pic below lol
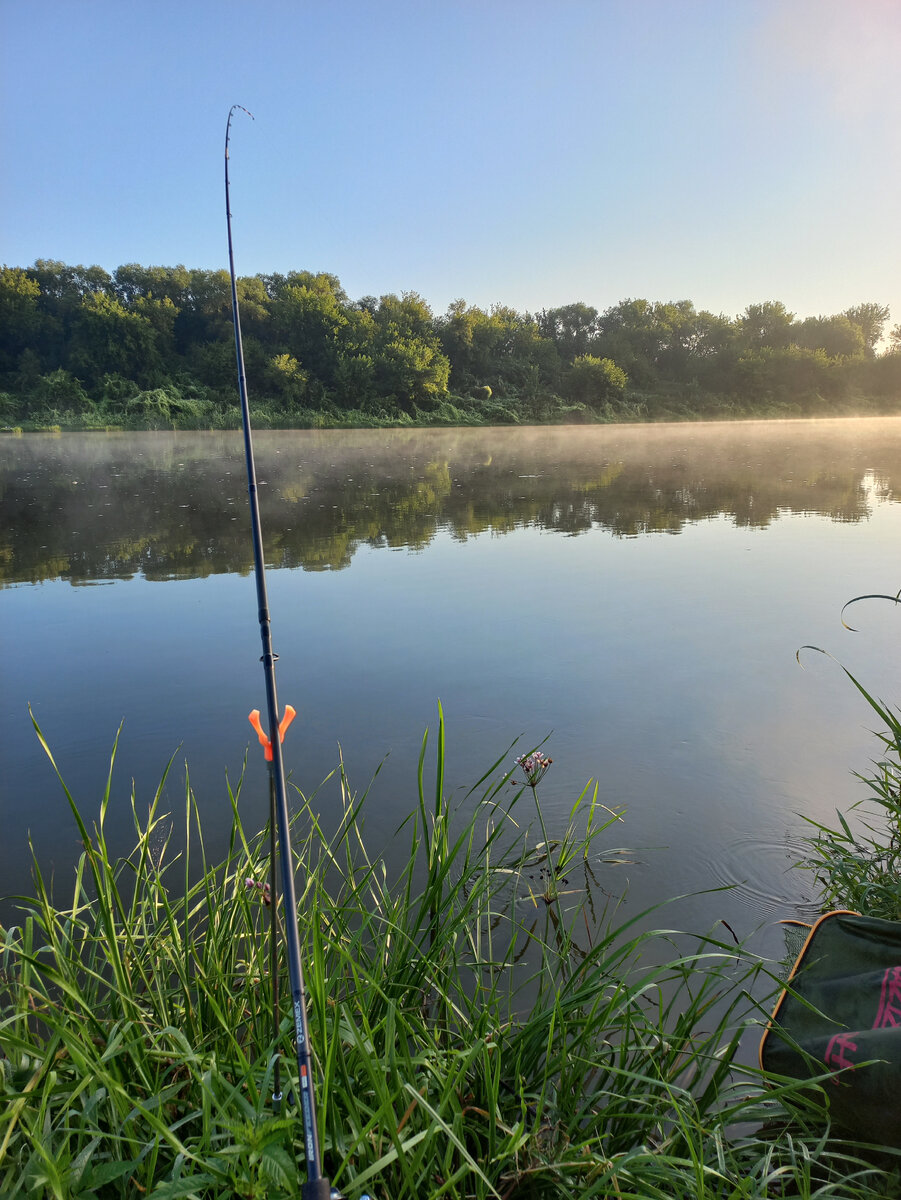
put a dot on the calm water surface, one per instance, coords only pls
(635, 594)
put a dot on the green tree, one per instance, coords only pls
(456, 331)
(255, 306)
(409, 314)
(133, 282)
(19, 315)
(107, 339)
(679, 331)
(630, 334)
(837, 337)
(885, 371)
(286, 380)
(308, 322)
(595, 381)
(65, 287)
(791, 376)
(502, 348)
(766, 326)
(870, 320)
(410, 367)
(205, 310)
(354, 383)
(213, 365)
(573, 328)
(63, 291)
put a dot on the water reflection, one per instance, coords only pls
(94, 507)
(661, 666)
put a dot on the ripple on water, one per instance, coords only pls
(762, 872)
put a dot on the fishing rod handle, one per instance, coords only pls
(316, 1189)
(320, 1189)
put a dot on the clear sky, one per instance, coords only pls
(514, 151)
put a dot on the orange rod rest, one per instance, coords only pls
(254, 718)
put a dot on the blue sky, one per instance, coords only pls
(531, 154)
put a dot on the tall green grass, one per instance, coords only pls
(857, 862)
(475, 1035)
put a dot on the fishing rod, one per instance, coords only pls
(317, 1186)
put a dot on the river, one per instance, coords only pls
(635, 595)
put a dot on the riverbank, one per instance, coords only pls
(485, 1020)
(161, 410)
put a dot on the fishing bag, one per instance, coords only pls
(841, 1013)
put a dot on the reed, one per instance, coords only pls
(473, 1038)
(857, 861)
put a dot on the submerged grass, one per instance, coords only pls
(472, 1038)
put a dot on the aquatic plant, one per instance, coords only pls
(534, 766)
(469, 1042)
(857, 864)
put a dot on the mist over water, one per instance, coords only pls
(637, 593)
(90, 507)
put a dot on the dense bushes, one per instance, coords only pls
(153, 346)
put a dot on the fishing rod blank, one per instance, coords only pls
(317, 1185)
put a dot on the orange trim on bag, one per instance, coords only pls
(838, 912)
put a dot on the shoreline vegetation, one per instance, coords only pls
(485, 1021)
(152, 348)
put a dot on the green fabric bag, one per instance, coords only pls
(846, 1018)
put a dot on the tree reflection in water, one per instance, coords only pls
(89, 507)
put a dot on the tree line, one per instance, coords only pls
(153, 346)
